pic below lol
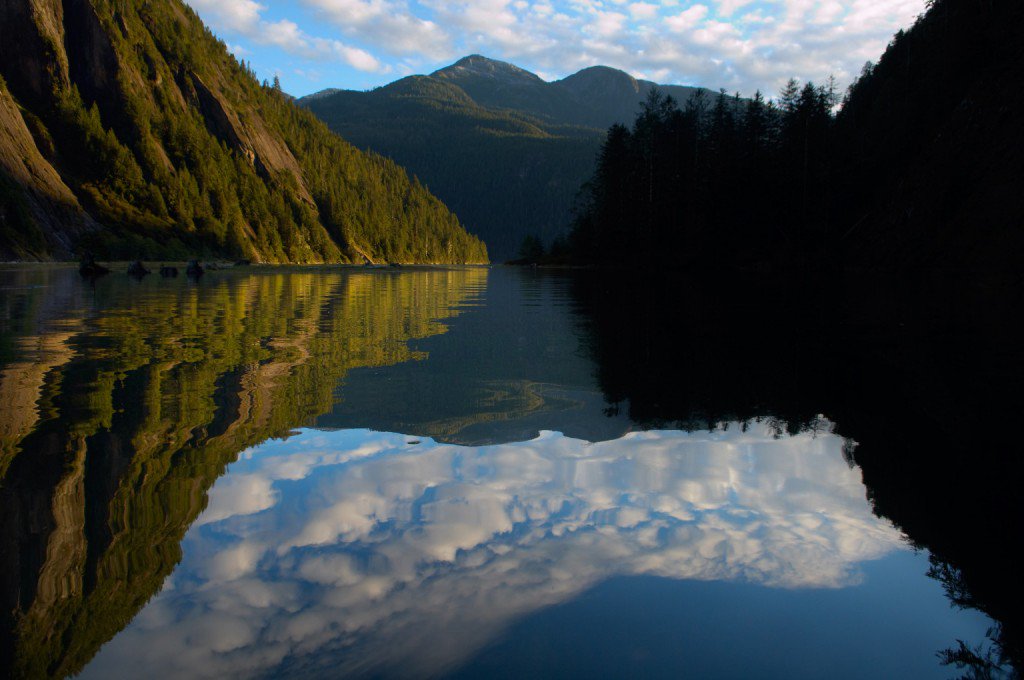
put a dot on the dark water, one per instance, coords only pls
(505, 473)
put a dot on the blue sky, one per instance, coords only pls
(741, 45)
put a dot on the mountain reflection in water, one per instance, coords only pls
(484, 550)
(124, 401)
(360, 552)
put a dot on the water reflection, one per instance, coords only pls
(922, 371)
(363, 553)
(124, 402)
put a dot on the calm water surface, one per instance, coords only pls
(442, 472)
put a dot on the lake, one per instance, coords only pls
(505, 472)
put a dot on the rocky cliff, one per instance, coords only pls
(127, 129)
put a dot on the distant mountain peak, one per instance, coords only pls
(600, 78)
(326, 92)
(599, 70)
(479, 66)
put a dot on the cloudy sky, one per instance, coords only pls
(366, 550)
(740, 45)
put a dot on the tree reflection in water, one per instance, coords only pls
(922, 372)
(128, 400)
(124, 403)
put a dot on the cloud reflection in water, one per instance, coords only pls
(360, 552)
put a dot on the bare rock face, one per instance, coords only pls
(263, 150)
(32, 47)
(34, 191)
(92, 60)
(122, 125)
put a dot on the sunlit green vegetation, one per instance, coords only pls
(130, 414)
(179, 151)
(504, 173)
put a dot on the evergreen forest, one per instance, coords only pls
(916, 166)
(129, 131)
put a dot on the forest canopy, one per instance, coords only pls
(177, 150)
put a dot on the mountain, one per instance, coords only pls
(611, 96)
(504, 149)
(931, 141)
(128, 130)
(919, 169)
(596, 97)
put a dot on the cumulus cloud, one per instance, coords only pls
(737, 44)
(244, 19)
(389, 26)
(363, 552)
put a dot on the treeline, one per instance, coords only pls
(178, 150)
(915, 168)
(504, 173)
(714, 180)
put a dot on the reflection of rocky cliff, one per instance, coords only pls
(124, 418)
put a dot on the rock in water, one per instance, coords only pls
(90, 269)
(137, 269)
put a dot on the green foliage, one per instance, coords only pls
(506, 174)
(732, 182)
(163, 388)
(179, 149)
(504, 149)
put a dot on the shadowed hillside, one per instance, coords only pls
(505, 150)
(920, 168)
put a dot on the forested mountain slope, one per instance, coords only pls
(505, 150)
(919, 169)
(128, 130)
(596, 97)
(505, 174)
(932, 143)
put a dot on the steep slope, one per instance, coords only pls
(504, 173)
(139, 115)
(505, 150)
(34, 201)
(933, 137)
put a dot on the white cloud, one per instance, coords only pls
(395, 551)
(688, 19)
(244, 18)
(727, 8)
(643, 10)
(389, 26)
(737, 44)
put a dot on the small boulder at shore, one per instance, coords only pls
(89, 268)
(137, 269)
(194, 269)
